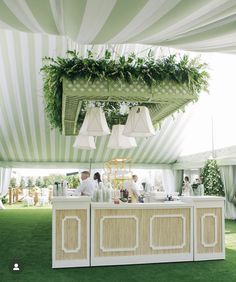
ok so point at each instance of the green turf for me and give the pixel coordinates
(21, 205)
(26, 235)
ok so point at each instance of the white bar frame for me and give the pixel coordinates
(119, 249)
(202, 205)
(173, 247)
(63, 234)
(140, 259)
(70, 206)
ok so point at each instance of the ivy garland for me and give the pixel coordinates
(147, 70)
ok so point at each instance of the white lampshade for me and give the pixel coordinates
(118, 140)
(85, 142)
(95, 123)
(139, 123)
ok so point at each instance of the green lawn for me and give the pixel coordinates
(26, 235)
(21, 205)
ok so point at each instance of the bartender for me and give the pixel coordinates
(87, 186)
(133, 188)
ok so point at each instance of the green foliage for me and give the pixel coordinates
(4, 200)
(212, 181)
(30, 182)
(22, 183)
(73, 181)
(39, 182)
(51, 179)
(13, 182)
(47, 181)
(149, 71)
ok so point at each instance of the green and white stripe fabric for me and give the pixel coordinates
(25, 134)
(32, 29)
(202, 25)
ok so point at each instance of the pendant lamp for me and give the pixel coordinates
(118, 141)
(84, 142)
(95, 123)
(139, 123)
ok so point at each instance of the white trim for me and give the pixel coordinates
(92, 235)
(170, 247)
(63, 234)
(135, 259)
(53, 236)
(214, 243)
(70, 206)
(146, 206)
(223, 231)
(192, 232)
(209, 205)
(140, 259)
(203, 199)
(119, 249)
(210, 256)
(65, 199)
(70, 263)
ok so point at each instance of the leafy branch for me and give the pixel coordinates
(149, 71)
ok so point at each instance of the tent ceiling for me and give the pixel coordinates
(224, 156)
(203, 25)
(25, 135)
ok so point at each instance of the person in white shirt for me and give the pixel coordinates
(87, 186)
(187, 189)
(133, 188)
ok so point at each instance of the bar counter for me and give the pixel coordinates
(92, 234)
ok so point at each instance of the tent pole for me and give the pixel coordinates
(212, 138)
(90, 165)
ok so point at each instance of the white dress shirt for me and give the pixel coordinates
(187, 189)
(86, 187)
(133, 189)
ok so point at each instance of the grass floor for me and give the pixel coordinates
(26, 235)
(21, 205)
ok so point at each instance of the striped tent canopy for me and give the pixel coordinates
(25, 135)
(202, 25)
(31, 30)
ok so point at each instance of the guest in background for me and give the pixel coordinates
(97, 176)
(201, 186)
(86, 187)
(195, 187)
(187, 190)
(198, 187)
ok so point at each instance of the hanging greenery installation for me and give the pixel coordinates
(128, 69)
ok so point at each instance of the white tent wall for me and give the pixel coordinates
(160, 178)
(226, 159)
(224, 156)
(168, 181)
(5, 176)
(178, 179)
(228, 174)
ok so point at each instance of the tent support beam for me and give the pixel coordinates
(74, 165)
